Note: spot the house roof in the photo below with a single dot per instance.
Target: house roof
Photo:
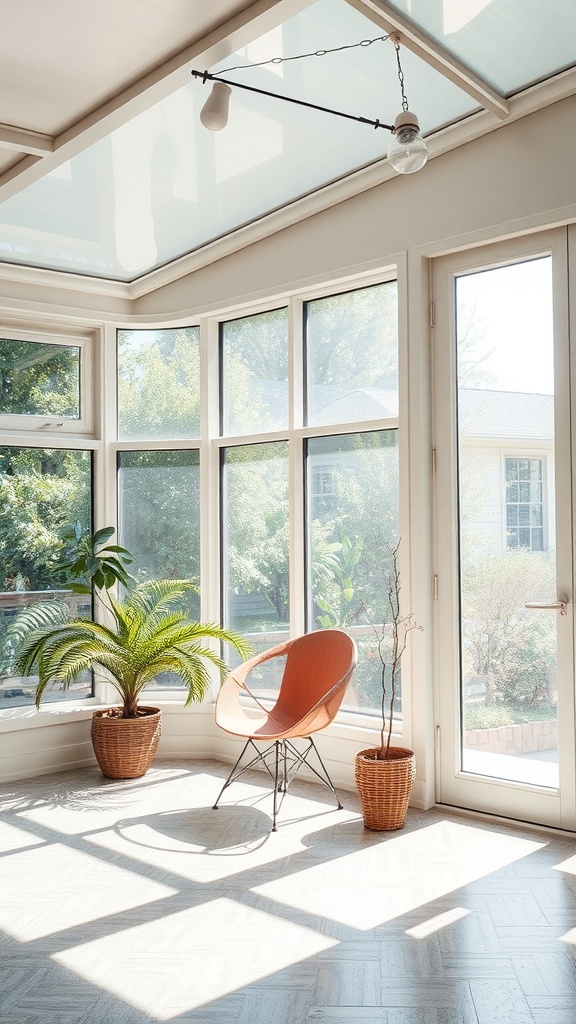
(105, 170)
(506, 414)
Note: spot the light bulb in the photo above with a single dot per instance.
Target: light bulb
(214, 113)
(407, 150)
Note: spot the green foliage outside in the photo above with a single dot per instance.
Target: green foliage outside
(159, 384)
(143, 636)
(503, 642)
(38, 379)
(352, 345)
(494, 716)
(256, 530)
(41, 491)
(508, 648)
(352, 340)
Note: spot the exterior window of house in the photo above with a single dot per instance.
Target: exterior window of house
(323, 487)
(524, 504)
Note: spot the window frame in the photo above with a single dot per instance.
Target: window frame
(47, 442)
(299, 431)
(529, 456)
(15, 423)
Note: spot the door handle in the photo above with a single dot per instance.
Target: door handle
(555, 606)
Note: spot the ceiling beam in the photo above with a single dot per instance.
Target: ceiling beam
(414, 39)
(24, 141)
(249, 24)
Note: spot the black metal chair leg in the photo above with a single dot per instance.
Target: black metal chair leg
(327, 780)
(275, 804)
(231, 776)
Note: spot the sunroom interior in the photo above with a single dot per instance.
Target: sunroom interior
(268, 358)
(246, 310)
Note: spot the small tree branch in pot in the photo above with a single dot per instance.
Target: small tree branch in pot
(392, 638)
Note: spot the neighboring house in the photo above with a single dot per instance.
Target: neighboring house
(506, 458)
(507, 469)
(506, 461)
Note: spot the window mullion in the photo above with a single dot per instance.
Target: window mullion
(210, 588)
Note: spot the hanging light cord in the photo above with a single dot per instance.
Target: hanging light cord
(401, 76)
(207, 77)
(300, 56)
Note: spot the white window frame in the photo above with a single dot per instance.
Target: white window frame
(534, 457)
(16, 423)
(297, 433)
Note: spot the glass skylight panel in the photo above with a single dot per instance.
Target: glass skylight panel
(510, 44)
(163, 185)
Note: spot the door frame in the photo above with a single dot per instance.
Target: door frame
(455, 787)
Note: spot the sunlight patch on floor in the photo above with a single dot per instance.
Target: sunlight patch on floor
(213, 949)
(203, 845)
(94, 888)
(435, 924)
(414, 868)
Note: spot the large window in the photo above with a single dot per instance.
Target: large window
(350, 532)
(42, 491)
(159, 512)
(159, 384)
(46, 381)
(159, 487)
(257, 457)
(310, 511)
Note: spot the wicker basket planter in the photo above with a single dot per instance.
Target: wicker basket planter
(384, 787)
(125, 747)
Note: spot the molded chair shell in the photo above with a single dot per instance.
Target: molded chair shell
(318, 668)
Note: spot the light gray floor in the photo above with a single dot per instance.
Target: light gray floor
(125, 902)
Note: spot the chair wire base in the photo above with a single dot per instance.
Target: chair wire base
(285, 760)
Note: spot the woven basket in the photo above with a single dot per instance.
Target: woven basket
(384, 787)
(125, 747)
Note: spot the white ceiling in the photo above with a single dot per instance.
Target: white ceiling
(72, 72)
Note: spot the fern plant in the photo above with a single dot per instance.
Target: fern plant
(145, 633)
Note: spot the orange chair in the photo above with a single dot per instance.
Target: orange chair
(318, 668)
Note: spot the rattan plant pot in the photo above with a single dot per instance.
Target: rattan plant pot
(384, 787)
(125, 747)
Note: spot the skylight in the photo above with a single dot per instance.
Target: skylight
(162, 186)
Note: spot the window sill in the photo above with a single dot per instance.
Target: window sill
(360, 729)
(13, 719)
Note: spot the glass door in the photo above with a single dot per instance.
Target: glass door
(504, 551)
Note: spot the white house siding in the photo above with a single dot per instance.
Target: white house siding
(481, 492)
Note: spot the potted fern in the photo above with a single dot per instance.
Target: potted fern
(144, 634)
(385, 774)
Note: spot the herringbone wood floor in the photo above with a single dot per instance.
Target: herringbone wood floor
(135, 902)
